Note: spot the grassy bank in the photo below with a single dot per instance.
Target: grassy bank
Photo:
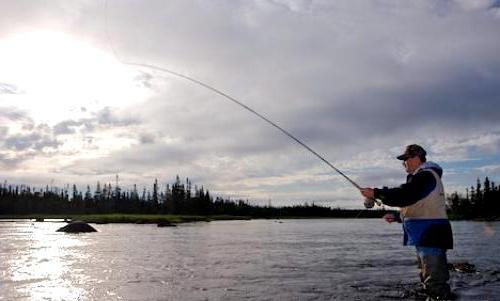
(462, 217)
(126, 218)
(177, 219)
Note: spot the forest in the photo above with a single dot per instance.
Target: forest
(178, 198)
(481, 201)
(182, 198)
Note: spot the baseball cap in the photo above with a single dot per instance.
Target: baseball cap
(412, 150)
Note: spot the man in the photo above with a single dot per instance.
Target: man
(423, 214)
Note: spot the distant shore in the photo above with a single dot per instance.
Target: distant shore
(153, 218)
(124, 218)
(168, 218)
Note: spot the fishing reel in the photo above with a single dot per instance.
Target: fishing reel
(370, 203)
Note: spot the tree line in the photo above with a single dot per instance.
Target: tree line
(180, 197)
(479, 201)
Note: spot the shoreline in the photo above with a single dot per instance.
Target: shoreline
(117, 218)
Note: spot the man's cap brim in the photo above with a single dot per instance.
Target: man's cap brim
(403, 157)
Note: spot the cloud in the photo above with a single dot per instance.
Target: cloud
(3, 132)
(490, 169)
(376, 83)
(104, 118)
(8, 162)
(109, 118)
(147, 138)
(66, 127)
(34, 141)
(6, 88)
(13, 114)
(145, 79)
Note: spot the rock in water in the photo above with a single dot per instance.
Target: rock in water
(462, 267)
(77, 227)
(166, 224)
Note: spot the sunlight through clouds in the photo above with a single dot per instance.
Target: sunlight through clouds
(63, 78)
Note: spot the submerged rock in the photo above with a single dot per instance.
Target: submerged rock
(462, 267)
(77, 227)
(166, 224)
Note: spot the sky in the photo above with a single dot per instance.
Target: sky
(356, 81)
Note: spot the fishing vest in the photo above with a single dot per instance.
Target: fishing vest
(430, 207)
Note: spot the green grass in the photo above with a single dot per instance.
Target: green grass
(128, 218)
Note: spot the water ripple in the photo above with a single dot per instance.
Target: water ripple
(233, 260)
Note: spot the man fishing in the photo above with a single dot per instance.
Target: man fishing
(423, 215)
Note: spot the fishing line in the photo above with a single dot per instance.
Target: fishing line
(226, 96)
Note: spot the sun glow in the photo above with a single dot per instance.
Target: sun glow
(57, 77)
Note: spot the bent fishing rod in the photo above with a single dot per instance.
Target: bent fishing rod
(227, 96)
(262, 117)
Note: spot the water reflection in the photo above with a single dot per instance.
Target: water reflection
(488, 230)
(233, 260)
(40, 269)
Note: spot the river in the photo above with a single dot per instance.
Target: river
(310, 259)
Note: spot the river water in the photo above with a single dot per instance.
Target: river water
(328, 259)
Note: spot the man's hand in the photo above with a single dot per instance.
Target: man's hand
(390, 218)
(367, 193)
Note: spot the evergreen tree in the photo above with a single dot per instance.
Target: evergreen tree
(88, 194)
(75, 192)
(155, 192)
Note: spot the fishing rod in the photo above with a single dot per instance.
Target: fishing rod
(227, 96)
(369, 203)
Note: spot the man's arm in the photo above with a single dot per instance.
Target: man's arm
(417, 188)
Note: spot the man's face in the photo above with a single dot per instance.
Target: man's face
(411, 164)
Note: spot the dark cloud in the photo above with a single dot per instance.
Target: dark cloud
(33, 141)
(107, 117)
(147, 138)
(66, 127)
(104, 118)
(145, 79)
(334, 91)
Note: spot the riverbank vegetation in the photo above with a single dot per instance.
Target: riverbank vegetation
(181, 202)
(481, 201)
(123, 218)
